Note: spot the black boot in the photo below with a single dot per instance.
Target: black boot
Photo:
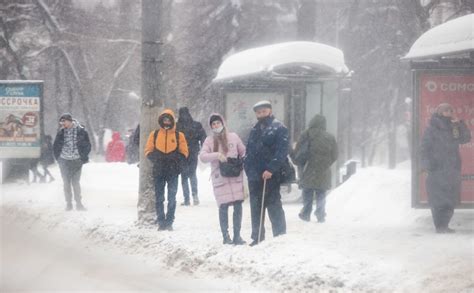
(226, 238)
(80, 207)
(69, 206)
(255, 242)
(304, 217)
(445, 230)
(238, 240)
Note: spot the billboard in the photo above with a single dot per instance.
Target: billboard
(433, 87)
(239, 110)
(20, 119)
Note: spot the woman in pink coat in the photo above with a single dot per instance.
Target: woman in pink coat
(228, 191)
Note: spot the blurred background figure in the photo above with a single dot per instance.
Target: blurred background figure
(115, 149)
(46, 158)
(195, 136)
(133, 146)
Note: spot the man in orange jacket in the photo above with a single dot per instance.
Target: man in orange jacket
(167, 149)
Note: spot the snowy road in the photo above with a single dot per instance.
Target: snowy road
(372, 241)
(33, 260)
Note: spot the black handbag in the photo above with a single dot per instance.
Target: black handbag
(287, 173)
(232, 167)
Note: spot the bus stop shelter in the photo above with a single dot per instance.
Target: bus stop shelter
(301, 79)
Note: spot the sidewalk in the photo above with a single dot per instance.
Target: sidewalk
(372, 239)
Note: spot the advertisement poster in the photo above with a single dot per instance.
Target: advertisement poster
(239, 110)
(20, 127)
(456, 89)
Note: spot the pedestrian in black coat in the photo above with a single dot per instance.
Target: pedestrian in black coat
(195, 136)
(47, 156)
(133, 147)
(71, 149)
(441, 159)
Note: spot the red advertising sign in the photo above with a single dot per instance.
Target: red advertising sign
(434, 88)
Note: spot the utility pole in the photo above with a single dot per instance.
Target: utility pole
(152, 101)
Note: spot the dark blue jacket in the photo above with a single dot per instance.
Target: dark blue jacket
(194, 133)
(83, 143)
(267, 148)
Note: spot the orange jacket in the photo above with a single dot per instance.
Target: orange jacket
(166, 138)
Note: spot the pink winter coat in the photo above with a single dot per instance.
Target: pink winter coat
(226, 189)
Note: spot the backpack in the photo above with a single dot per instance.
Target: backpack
(171, 163)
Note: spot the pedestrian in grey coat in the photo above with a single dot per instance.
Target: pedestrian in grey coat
(441, 159)
(320, 149)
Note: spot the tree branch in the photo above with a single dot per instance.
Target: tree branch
(5, 39)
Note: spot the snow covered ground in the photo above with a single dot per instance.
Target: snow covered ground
(372, 240)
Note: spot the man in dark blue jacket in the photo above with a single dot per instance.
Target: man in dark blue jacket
(71, 149)
(266, 152)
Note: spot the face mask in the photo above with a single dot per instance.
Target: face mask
(262, 119)
(218, 130)
(167, 126)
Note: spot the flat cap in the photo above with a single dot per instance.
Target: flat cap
(262, 104)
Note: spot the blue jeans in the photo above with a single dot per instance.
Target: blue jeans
(189, 176)
(160, 183)
(308, 198)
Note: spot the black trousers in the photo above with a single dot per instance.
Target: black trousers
(272, 204)
(237, 217)
(189, 176)
(165, 219)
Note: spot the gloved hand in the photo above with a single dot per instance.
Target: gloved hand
(222, 158)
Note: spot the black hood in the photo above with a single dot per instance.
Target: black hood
(440, 122)
(184, 115)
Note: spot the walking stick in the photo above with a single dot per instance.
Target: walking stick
(262, 211)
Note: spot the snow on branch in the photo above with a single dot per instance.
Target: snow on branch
(45, 10)
(125, 62)
(101, 40)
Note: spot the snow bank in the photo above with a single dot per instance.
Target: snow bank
(372, 240)
(374, 196)
(270, 58)
(452, 37)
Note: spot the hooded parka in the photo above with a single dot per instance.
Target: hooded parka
(322, 154)
(115, 149)
(163, 151)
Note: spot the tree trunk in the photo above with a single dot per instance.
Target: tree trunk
(152, 101)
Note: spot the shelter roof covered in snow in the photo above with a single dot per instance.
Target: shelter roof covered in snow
(450, 38)
(291, 58)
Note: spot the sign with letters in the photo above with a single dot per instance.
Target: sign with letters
(20, 119)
